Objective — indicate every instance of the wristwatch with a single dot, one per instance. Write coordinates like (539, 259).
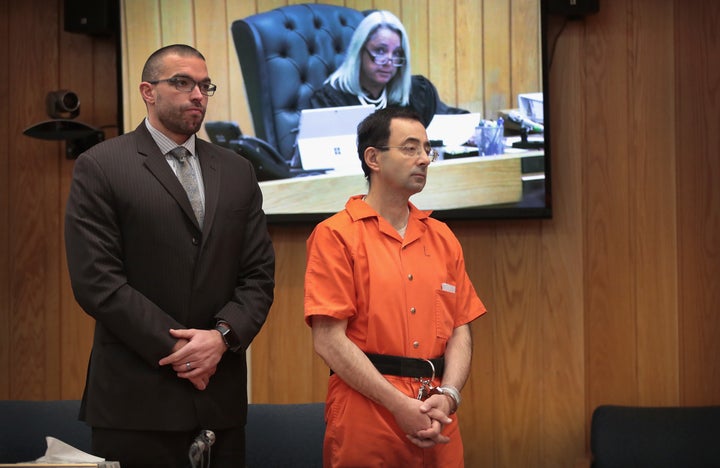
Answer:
(230, 339)
(452, 392)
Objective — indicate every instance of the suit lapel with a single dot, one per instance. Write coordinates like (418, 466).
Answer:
(159, 167)
(211, 181)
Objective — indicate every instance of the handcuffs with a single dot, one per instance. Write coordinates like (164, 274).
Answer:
(427, 389)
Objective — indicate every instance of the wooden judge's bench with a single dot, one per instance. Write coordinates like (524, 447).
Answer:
(466, 182)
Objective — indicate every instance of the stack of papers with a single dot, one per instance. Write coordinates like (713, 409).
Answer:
(453, 129)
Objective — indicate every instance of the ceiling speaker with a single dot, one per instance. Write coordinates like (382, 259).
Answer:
(93, 17)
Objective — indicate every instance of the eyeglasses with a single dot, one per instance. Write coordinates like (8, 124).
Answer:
(412, 151)
(381, 58)
(186, 85)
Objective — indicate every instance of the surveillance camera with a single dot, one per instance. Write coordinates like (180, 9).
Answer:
(63, 104)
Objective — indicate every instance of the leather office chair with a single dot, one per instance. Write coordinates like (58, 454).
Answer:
(285, 54)
(655, 437)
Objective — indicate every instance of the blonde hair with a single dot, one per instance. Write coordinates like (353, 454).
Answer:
(347, 76)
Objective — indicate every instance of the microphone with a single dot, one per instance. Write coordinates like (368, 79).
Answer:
(199, 446)
(524, 122)
(204, 440)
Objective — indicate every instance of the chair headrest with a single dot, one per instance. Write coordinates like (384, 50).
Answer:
(285, 55)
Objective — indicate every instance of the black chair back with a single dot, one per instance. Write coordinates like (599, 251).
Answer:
(285, 54)
(655, 437)
(282, 435)
(24, 424)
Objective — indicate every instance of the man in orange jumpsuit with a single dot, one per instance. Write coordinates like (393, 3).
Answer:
(390, 306)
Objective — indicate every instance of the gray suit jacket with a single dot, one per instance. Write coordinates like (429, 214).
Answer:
(140, 265)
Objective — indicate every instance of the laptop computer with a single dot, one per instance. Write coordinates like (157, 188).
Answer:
(327, 138)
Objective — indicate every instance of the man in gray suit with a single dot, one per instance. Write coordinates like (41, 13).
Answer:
(168, 251)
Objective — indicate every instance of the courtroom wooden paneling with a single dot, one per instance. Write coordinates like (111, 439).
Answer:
(519, 368)
(480, 395)
(5, 255)
(46, 339)
(631, 309)
(146, 26)
(654, 208)
(33, 180)
(608, 279)
(561, 301)
(697, 45)
(285, 368)
(613, 300)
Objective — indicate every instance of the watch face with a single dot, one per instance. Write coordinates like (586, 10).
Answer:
(228, 336)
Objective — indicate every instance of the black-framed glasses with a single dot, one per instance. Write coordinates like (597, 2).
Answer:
(186, 85)
(413, 151)
(381, 58)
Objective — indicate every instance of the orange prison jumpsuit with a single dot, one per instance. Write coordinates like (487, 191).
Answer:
(401, 297)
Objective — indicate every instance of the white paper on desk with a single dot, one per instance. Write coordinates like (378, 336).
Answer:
(60, 452)
(453, 129)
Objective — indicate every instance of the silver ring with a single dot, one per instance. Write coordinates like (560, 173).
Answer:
(187, 365)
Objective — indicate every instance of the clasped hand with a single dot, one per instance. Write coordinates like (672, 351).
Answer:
(423, 421)
(195, 356)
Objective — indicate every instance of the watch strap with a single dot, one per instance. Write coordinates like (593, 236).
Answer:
(227, 334)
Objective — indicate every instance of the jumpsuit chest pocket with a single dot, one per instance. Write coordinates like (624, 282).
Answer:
(444, 307)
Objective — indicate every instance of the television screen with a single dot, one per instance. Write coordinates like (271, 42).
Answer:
(487, 57)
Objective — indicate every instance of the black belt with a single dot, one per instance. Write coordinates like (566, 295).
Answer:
(406, 367)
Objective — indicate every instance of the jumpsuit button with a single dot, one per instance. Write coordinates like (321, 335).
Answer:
(412, 310)
(195, 241)
(410, 277)
(416, 344)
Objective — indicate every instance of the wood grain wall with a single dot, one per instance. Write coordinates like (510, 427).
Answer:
(44, 337)
(611, 301)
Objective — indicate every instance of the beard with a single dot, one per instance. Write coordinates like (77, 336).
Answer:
(178, 121)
